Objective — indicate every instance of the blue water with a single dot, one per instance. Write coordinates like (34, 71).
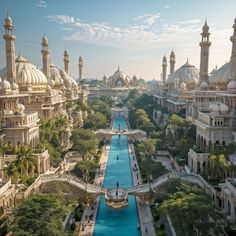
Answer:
(123, 221)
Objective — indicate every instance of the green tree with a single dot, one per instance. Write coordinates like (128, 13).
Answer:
(39, 215)
(102, 107)
(84, 141)
(95, 121)
(191, 211)
(86, 170)
(25, 160)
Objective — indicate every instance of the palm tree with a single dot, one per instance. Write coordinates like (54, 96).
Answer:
(25, 160)
(11, 171)
(3, 147)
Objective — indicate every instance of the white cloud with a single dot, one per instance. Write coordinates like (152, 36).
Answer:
(167, 6)
(183, 35)
(41, 3)
(148, 19)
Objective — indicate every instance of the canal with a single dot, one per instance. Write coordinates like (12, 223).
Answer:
(123, 221)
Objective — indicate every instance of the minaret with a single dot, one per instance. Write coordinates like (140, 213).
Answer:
(66, 61)
(80, 68)
(172, 62)
(233, 54)
(204, 57)
(46, 57)
(10, 50)
(164, 67)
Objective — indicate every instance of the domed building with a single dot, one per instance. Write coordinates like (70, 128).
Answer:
(187, 73)
(220, 78)
(28, 76)
(118, 80)
(117, 86)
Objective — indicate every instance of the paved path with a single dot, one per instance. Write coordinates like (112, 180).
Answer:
(88, 223)
(145, 215)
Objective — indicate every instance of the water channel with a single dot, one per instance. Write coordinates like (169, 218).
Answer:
(123, 221)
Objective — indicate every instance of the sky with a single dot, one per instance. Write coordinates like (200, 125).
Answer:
(134, 34)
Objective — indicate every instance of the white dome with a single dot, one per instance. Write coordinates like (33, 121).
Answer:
(5, 85)
(68, 80)
(218, 107)
(118, 79)
(182, 86)
(15, 86)
(51, 83)
(187, 73)
(26, 73)
(204, 85)
(231, 85)
(55, 74)
(221, 75)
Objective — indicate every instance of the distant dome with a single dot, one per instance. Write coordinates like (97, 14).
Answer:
(218, 107)
(204, 85)
(118, 79)
(15, 86)
(134, 78)
(68, 80)
(182, 86)
(5, 85)
(187, 73)
(231, 85)
(26, 73)
(221, 75)
(55, 74)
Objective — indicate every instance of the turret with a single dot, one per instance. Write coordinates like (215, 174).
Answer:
(66, 62)
(233, 54)
(46, 57)
(10, 50)
(204, 57)
(164, 68)
(80, 68)
(172, 62)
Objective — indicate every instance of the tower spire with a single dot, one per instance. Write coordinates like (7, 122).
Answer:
(172, 62)
(10, 38)
(66, 61)
(46, 57)
(204, 55)
(233, 53)
(80, 68)
(164, 68)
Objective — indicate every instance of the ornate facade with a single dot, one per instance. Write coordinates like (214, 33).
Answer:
(208, 100)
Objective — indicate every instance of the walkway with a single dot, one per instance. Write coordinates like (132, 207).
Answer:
(87, 224)
(145, 215)
(90, 188)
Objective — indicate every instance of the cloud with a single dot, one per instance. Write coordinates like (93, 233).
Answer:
(148, 19)
(41, 3)
(167, 6)
(135, 37)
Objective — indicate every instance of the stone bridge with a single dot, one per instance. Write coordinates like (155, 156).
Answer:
(91, 188)
(144, 188)
(70, 179)
(106, 134)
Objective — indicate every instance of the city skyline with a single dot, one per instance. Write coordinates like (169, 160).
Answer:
(107, 34)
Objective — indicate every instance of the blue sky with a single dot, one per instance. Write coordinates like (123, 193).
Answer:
(134, 34)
